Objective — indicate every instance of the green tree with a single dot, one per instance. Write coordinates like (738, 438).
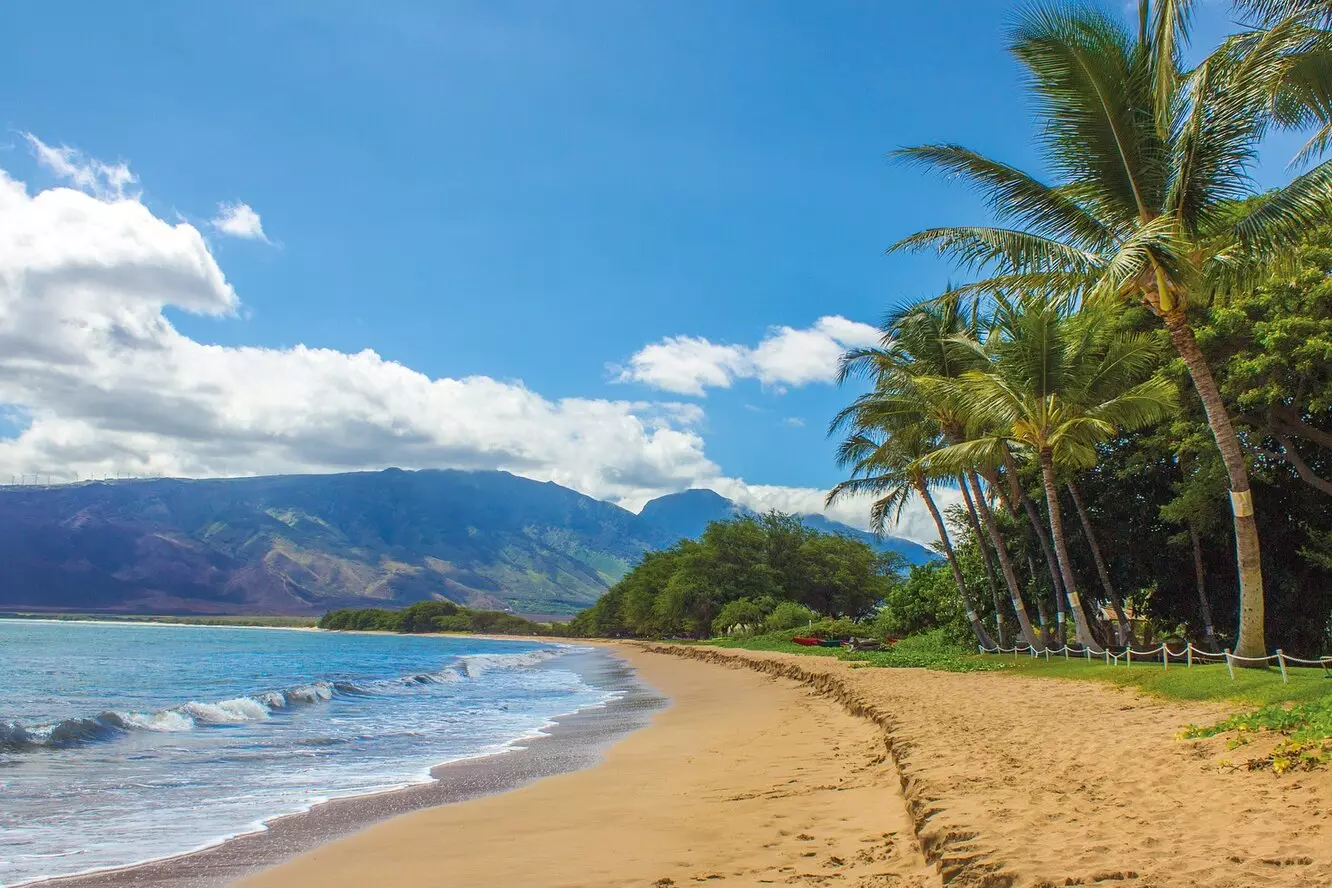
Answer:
(1150, 161)
(891, 469)
(1057, 384)
(920, 342)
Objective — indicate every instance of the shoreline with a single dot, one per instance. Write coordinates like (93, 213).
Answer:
(569, 742)
(745, 778)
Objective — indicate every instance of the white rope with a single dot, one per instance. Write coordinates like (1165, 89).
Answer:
(1190, 653)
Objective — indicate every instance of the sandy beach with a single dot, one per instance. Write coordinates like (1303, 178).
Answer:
(743, 780)
(808, 771)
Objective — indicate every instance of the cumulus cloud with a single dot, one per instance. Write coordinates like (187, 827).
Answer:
(105, 384)
(109, 385)
(106, 180)
(239, 220)
(786, 356)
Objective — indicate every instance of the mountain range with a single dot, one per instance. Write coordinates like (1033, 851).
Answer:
(304, 544)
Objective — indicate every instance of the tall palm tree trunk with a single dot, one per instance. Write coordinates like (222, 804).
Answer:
(1204, 607)
(1121, 618)
(981, 544)
(1005, 563)
(1047, 633)
(1252, 637)
(976, 626)
(1038, 526)
(1080, 622)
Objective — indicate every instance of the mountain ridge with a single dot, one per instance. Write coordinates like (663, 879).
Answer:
(303, 544)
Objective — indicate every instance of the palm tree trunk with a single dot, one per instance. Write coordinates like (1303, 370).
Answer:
(1005, 563)
(976, 626)
(1203, 605)
(1121, 618)
(1047, 633)
(1037, 525)
(985, 557)
(1083, 628)
(1252, 636)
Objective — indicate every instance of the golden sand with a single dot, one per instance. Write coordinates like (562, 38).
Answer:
(808, 771)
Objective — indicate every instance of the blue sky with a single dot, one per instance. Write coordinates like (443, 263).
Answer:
(536, 191)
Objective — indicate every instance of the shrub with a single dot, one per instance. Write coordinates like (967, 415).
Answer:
(455, 623)
(928, 600)
(420, 617)
(742, 612)
(788, 615)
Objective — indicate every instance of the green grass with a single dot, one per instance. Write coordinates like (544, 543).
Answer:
(1250, 687)
(929, 651)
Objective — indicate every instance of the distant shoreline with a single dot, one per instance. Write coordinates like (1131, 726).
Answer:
(267, 622)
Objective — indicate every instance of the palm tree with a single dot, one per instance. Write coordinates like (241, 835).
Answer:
(1102, 570)
(919, 342)
(1152, 170)
(1057, 383)
(890, 468)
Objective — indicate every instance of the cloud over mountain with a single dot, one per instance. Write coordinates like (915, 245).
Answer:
(99, 381)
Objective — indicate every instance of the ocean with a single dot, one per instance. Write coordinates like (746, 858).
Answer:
(121, 743)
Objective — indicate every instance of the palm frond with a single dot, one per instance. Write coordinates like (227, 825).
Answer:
(1283, 217)
(1095, 90)
(977, 247)
(1015, 196)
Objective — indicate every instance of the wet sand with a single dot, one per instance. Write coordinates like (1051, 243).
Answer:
(575, 741)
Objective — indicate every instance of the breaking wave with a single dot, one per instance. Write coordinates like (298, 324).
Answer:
(18, 737)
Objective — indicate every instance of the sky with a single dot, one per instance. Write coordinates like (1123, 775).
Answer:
(614, 245)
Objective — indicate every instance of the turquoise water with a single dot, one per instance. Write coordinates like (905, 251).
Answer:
(121, 743)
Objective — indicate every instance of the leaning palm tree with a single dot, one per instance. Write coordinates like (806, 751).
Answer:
(1057, 383)
(919, 343)
(1151, 165)
(889, 467)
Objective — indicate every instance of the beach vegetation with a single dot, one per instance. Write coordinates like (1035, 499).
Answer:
(435, 616)
(770, 569)
(1152, 203)
(1142, 343)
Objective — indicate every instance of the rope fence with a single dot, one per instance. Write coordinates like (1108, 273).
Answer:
(1188, 657)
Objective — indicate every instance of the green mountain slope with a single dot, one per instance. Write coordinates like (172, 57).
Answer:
(304, 544)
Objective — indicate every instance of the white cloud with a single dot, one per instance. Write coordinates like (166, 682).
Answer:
(239, 220)
(105, 384)
(106, 180)
(109, 385)
(916, 523)
(689, 365)
(794, 422)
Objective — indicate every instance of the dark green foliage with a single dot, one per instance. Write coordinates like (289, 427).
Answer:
(927, 601)
(436, 616)
(421, 617)
(774, 563)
